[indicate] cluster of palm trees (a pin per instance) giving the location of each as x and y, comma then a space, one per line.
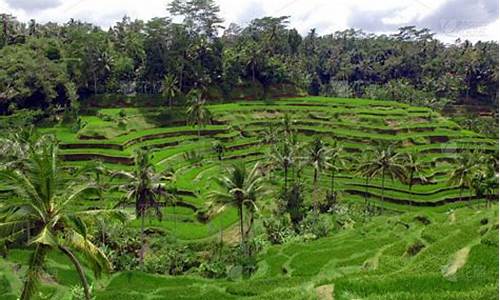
38, 209
474, 170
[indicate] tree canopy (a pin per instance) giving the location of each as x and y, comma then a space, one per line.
44, 64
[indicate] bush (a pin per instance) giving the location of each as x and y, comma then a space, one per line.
415, 248
340, 89
316, 225
122, 113
213, 269
122, 124
399, 90
278, 229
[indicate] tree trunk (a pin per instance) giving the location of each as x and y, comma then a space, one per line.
175, 221
332, 184
95, 83
242, 232
315, 180
460, 195
253, 71
141, 254
79, 269
383, 184
410, 183
34, 272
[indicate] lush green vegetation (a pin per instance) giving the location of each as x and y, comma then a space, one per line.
350, 197
48, 68
174, 160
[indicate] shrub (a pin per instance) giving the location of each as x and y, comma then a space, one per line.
213, 269
278, 229
122, 124
193, 156
122, 113
339, 89
415, 248
316, 225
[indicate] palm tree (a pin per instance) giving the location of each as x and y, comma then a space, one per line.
287, 123
16, 146
317, 156
145, 187
241, 189
42, 194
484, 182
97, 169
197, 113
335, 163
268, 135
363, 170
385, 162
282, 155
169, 88
414, 168
463, 171
219, 149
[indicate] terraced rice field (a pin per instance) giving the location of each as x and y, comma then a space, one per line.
356, 124
426, 246
438, 254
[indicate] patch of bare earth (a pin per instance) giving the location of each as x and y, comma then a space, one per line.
392, 123
459, 260
267, 115
325, 292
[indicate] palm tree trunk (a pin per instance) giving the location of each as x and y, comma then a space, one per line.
332, 187
253, 71
34, 272
175, 221
410, 183
383, 184
95, 83
315, 180
141, 255
242, 233
79, 269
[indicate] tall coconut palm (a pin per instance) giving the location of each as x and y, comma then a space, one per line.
169, 88
414, 169
241, 189
316, 157
463, 171
461, 175
43, 195
335, 163
197, 113
282, 156
385, 162
362, 170
145, 188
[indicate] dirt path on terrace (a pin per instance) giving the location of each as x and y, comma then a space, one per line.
325, 292
458, 262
